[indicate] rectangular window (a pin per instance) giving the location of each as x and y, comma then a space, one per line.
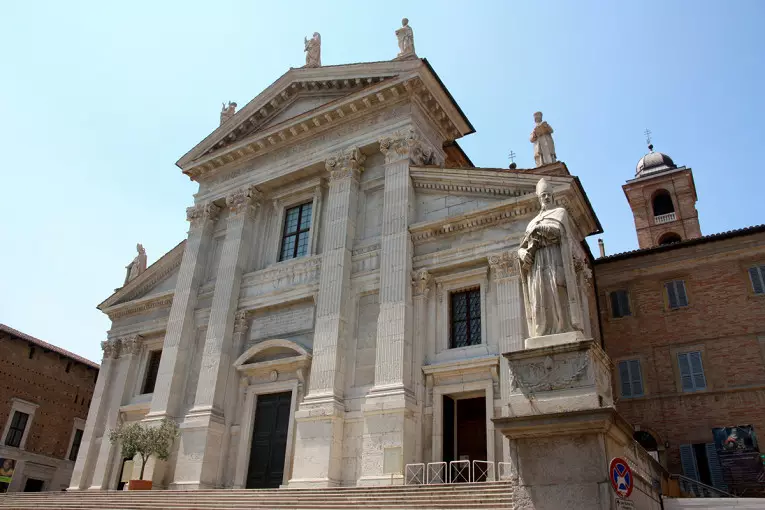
757, 275
16, 430
620, 304
297, 224
676, 294
75, 445
152, 368
466, 318
691, 371
630, 378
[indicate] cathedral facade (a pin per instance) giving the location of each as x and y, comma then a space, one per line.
342, 301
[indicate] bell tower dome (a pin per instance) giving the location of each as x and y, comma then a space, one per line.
662, 197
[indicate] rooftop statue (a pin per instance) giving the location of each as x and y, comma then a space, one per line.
541, 137
227, 111
137, 266
405, 40
547, 269
313, 51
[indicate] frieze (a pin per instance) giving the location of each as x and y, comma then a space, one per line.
281, 276
160, 301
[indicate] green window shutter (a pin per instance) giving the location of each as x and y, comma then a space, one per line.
688, 461
685, 371
715, 470
624, 379
757, 275
637, 382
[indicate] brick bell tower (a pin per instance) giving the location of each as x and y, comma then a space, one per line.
662, 197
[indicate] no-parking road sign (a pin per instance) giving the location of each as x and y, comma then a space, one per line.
621, 477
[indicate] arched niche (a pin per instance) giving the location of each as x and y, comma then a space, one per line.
669, 238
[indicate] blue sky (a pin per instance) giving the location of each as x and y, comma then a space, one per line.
99, 99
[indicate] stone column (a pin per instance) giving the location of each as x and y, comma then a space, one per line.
421, 285
390, 407
179, 337
319, 431
127, 349
506, 277
202, 430
94, 426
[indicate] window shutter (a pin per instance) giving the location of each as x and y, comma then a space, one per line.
624, 378
637, 382
715, 470
682, 297
688, 461
671, 294
616, 310
757, 274
697, 370
685, 371
624, 303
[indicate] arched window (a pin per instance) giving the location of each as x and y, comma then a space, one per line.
662, 203
669, 238
646, 440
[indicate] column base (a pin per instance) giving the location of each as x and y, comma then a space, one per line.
318, 443
199, 450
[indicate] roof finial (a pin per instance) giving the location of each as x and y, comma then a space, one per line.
647, 134
511, 156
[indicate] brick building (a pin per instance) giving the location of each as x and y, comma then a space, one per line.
683, 320
44, 402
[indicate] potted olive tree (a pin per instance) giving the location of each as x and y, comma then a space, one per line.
138, 439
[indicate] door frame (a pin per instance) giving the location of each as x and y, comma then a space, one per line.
248, 422
455, 391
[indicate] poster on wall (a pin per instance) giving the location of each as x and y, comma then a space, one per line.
7, 466
739, 439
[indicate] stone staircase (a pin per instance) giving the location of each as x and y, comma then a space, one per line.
451, 496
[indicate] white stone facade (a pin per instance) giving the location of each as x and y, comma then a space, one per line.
358, 328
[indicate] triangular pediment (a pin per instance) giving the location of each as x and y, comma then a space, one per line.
156, 283
305, 101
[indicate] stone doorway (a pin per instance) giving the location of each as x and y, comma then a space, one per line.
269, 440
464, 428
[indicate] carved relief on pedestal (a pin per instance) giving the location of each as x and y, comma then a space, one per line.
547, 375
422, 282
111, 348
504, 265
346, 163
131, 344
407, 144
244, 200
197, 215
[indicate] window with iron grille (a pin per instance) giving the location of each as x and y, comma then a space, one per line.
152, 369
75, 445
630, 378
466, 318
620, 304
16, 430
297, 224
676, 295
757, 275
691, 371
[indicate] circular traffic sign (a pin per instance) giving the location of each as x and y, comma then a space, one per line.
621, 477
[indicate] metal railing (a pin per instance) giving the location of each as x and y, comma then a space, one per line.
483, 471
414, 474
696, 489
459, 471
664, 218
436, 472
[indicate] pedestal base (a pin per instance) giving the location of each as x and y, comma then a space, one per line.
550, 340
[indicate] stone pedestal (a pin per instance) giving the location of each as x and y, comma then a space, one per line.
564, 430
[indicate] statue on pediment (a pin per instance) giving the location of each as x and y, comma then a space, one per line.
137, 266
313, 51
405, 40
541, 137
227, 111
547, 269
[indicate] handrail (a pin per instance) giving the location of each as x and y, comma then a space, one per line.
705, 490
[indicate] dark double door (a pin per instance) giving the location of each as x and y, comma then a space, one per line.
269, 441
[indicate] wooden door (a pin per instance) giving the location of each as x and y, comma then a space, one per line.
269, 441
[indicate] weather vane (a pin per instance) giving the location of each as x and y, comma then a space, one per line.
647, 134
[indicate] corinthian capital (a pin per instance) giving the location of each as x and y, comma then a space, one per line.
346, 163
131, 344
422, 282
201, 213
241, 322
244, 199
111, 348
504, 264
406, 144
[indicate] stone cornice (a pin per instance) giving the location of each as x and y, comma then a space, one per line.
248, 142
139, 306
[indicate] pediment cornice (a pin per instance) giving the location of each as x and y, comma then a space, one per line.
243, 136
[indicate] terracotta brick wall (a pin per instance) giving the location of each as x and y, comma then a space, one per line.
62, 396
724, 319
